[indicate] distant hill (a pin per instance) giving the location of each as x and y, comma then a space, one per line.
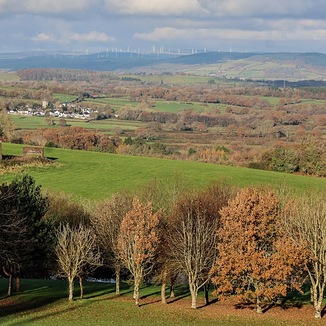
262, 66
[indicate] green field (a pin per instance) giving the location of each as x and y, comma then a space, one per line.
174, 106
106, 126
8, 76
44, 302
64, 97
173, 79
115, 102
93, 175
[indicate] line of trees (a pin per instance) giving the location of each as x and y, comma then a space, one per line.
254, 245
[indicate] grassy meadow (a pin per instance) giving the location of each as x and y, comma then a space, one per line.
44, 302
94, 175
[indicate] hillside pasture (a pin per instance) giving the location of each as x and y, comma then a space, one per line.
93, 175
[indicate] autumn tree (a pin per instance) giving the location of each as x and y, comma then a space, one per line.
76, 252
191, 239
138, 240
7, 127
305, 221
106, 221
256, 261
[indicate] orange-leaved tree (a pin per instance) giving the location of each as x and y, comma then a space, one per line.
256, 261
138, 241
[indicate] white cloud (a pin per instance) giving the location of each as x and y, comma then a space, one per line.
43, 37
154, 7
92, 36
171, 33
193, 8
67, 37
163, 33
70, 23
45, 6
256, 8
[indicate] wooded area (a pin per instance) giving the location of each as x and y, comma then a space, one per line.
252, 244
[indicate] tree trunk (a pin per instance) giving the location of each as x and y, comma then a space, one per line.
206, 290
10, 281
70, 289
318, 311
317, 299
172, 294
136, 291
10, 285
259, 309
163, 287
117, 278
163, 296
17, 284
311, 294
81, 287
193, 292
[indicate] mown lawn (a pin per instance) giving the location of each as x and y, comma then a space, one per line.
96, 175
44, 302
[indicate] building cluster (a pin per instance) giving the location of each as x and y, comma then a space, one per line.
64, 110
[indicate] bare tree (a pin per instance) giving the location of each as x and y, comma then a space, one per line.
163, 194
305, 221
138, 241
106, 221
192, 236
76, 251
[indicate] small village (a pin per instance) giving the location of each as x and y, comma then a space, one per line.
63, 110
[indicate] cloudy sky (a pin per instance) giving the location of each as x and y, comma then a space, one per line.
145, 25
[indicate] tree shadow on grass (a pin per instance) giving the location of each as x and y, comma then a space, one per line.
175, 299
212, 301
40, 293
150, 294
19, 306
148, 303
96, 289
266, 307
45, 316
181, 291
323, 312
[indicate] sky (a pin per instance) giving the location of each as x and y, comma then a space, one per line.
91, 26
